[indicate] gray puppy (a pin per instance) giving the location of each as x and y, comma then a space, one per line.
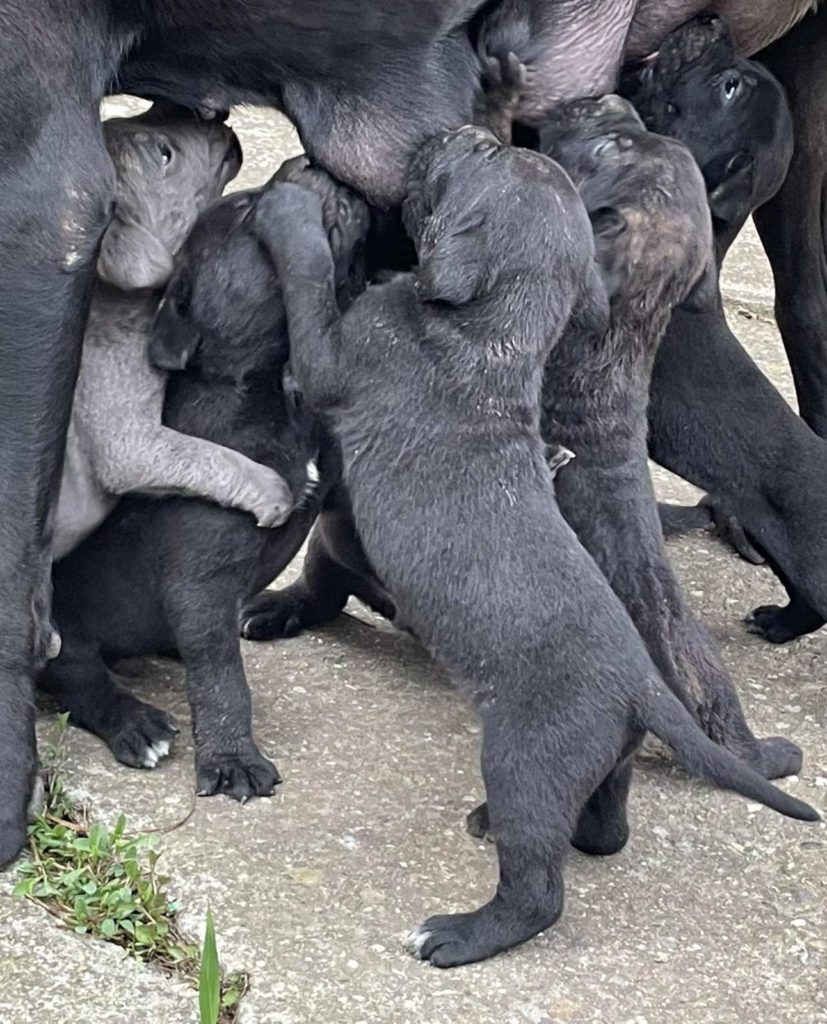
430, 385
169, 166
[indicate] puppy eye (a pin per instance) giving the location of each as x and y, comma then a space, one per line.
166, 154
731, 87
671, 110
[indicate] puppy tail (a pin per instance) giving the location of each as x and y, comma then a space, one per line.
669, 720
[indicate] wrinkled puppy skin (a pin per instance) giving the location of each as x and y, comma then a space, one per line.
430, 385
168, 576
653, 235
770, 498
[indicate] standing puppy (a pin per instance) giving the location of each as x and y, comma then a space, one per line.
431, 385
653, 225
168, 575
169, 166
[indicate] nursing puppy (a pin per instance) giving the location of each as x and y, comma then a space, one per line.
430, 384
168, 576
169, 167
651, 214
714, 418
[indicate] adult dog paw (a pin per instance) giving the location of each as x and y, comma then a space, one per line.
144, 736
240, 776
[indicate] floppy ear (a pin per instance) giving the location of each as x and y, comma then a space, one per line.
175, 338
453, 269
732, 199
610, 250
132, 257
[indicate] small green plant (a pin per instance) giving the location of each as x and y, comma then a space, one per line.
209, 980
104, 884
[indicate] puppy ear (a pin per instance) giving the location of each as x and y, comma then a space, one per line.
610, 229
731, 200
132, 257
453, 269
175, 338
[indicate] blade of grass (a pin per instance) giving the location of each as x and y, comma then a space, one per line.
209, 980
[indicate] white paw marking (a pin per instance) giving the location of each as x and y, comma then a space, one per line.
157, 752
415, 940
312, 472
161, 749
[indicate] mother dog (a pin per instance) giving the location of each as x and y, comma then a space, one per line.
365, 80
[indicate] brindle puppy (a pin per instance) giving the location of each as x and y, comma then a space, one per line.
430, 384
596, 393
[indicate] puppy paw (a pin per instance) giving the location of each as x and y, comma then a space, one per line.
240, 776
278, 615
144, 736
455, 939
780, 757
477, 823
769, 622
727, 528
273, 503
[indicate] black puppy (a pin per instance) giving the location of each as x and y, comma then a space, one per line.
169, 575
430, 384
648, 190
714, 417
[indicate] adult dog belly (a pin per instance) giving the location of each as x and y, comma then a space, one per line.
756, 23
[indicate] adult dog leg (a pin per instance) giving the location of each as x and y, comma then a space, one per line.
793, 225
769, 473
56, 187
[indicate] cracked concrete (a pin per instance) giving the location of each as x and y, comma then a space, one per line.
716, 913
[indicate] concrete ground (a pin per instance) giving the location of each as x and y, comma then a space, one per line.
716, 912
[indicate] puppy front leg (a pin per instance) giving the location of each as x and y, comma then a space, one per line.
289, 223
227, 759
164, 461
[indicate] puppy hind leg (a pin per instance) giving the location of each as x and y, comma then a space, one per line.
532, 821
603, 826
719, 708
138, 734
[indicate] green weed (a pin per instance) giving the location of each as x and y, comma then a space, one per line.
102, 883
